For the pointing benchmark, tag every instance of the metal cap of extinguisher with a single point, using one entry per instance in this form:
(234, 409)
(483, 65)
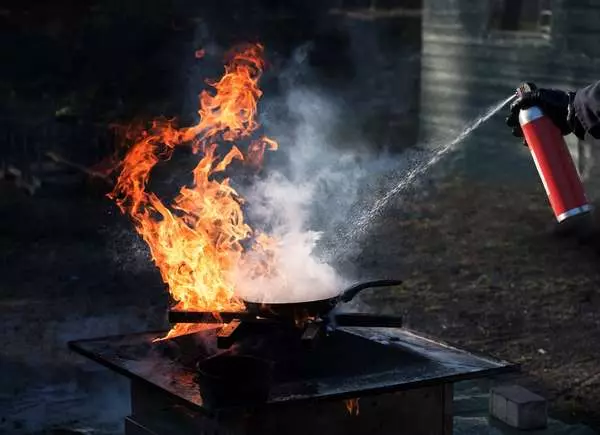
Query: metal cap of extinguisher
(554, 164)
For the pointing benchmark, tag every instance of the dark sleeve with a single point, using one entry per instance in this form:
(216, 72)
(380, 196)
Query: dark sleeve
(586, 105)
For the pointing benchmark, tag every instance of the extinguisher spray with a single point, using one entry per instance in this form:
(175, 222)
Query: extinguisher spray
(554, 163)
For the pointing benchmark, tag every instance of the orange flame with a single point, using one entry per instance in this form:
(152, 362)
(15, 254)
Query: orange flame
(352, 406)
(196, 240)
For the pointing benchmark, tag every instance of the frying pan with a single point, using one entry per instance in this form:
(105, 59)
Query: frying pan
(313, 308)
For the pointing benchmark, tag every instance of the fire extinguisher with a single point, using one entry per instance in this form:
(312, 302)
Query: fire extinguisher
(553, 161)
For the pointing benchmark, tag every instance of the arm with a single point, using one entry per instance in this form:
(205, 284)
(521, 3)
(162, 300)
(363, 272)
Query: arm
(586, 108)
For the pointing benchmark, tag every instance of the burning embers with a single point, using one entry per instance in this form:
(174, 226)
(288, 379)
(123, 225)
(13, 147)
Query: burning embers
(352, 406)
(196, 241)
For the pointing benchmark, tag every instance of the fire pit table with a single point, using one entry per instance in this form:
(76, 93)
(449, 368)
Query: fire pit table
(358, 380)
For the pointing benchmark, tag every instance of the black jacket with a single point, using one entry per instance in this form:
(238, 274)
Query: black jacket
(586, 106)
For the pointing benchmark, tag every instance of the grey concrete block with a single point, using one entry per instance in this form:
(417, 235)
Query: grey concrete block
(518, 407)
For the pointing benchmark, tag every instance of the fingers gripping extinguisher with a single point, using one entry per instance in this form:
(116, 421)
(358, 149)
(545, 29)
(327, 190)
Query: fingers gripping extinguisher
(554, 163)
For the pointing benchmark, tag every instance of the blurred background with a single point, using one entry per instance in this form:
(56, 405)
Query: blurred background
(473, 240)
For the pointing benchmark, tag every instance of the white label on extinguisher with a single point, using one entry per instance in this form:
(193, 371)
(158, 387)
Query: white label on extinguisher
(537, 165)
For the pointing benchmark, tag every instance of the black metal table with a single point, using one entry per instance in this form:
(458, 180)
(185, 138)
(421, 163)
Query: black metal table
(363, 362)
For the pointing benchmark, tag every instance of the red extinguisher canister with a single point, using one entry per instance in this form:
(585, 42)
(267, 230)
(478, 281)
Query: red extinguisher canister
(554, 163)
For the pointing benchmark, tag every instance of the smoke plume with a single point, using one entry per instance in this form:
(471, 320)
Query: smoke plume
(307, 193)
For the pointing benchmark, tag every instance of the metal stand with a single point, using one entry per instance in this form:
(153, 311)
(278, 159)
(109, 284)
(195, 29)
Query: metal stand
(402, 379)
(309, 332)
(422, 411)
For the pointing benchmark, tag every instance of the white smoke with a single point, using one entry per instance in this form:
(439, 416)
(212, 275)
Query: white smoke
(306, 195)
(284, 206)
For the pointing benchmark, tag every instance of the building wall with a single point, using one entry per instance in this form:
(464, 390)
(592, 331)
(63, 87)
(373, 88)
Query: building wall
(384, 43)
(468, 66)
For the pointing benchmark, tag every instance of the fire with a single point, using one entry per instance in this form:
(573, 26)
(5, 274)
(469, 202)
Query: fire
(352, 406)
(196, 240)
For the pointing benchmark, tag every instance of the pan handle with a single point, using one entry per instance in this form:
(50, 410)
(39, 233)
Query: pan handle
(348, 294)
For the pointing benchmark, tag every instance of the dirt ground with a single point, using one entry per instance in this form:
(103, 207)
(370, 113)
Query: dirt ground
(480, 266)
(484, 270)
